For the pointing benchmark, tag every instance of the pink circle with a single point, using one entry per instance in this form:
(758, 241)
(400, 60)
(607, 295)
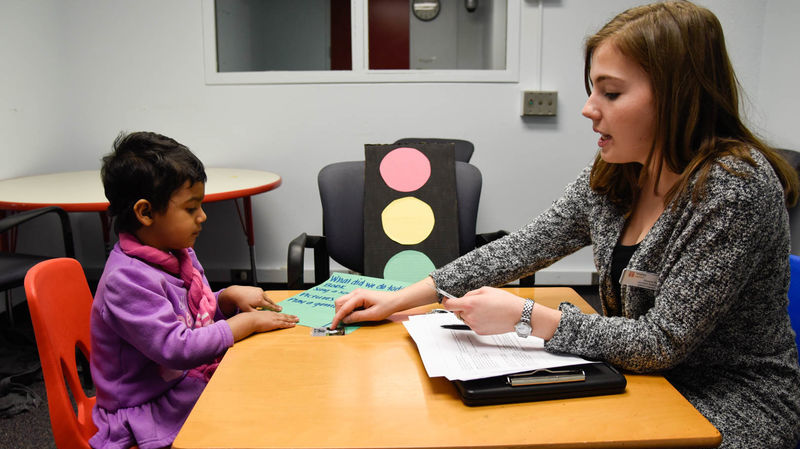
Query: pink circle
(405, 169)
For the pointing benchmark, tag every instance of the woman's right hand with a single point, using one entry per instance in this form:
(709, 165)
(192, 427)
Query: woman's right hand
(369, 305)
(364, 305)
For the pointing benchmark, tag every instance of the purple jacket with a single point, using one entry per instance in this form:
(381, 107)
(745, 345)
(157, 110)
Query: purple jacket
(142, 349)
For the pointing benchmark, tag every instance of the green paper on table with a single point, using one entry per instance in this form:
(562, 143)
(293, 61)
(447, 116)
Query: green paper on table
(315, 307)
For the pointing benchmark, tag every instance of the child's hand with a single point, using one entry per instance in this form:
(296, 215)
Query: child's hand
(266, 321)
(246, 299)
(245, 324)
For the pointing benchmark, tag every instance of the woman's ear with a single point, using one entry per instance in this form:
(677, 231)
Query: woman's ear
(144, 212)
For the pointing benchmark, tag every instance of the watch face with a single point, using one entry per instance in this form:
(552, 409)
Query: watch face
(523, 329)
(425, 9)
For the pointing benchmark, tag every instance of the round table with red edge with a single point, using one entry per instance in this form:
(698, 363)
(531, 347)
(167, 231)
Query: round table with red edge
(82, 191)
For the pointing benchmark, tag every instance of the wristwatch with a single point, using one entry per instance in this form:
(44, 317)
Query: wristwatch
(524, 328)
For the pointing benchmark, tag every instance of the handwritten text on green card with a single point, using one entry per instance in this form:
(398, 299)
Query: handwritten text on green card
(315, 307)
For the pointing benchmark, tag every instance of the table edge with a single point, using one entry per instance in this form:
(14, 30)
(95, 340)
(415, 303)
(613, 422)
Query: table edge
(233, 194)
(69, 207)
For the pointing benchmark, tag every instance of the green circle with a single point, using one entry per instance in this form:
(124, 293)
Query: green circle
(408, 266)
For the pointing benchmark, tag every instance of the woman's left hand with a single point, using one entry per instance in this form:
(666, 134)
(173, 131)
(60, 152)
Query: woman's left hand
(487, 310)
(246, 299)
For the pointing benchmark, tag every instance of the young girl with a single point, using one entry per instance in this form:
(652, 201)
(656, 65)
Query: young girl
(158, 331)
(682, 195)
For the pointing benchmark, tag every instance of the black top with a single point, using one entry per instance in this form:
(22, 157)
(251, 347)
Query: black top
(620, 258)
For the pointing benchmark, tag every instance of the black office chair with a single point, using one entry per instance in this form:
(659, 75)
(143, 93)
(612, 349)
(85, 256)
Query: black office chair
(464, 148)
(341, 189)
(13, 265)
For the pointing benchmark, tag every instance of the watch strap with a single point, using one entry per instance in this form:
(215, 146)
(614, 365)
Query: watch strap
(527, 310)
(524, 328)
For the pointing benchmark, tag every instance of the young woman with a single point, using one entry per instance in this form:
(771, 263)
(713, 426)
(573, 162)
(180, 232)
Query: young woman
(686, 212)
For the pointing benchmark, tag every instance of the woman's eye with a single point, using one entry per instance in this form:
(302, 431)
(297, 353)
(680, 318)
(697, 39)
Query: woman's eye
(191, 210)
(611, 95)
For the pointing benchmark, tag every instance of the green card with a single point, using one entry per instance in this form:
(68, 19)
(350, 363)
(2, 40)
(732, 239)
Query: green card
(315, 306)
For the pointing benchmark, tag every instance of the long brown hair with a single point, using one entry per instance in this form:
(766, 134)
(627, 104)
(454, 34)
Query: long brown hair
(682, 49)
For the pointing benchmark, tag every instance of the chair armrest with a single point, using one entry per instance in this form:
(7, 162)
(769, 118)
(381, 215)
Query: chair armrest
(482, 239)
(296, 257)
(528, 281)
(15, 220)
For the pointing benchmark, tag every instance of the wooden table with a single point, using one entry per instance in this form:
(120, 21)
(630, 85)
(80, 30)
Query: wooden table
(369, 389)
(82, 191)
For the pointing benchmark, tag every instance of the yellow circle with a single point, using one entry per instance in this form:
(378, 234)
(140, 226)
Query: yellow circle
(407, 220)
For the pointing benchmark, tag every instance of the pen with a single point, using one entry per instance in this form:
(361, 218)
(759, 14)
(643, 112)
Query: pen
(458, 327)
(444, 293)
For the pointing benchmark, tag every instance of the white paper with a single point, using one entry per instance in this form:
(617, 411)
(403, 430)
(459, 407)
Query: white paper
(465, 355)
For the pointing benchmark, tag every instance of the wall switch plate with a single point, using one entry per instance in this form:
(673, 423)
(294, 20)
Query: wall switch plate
(539, 103)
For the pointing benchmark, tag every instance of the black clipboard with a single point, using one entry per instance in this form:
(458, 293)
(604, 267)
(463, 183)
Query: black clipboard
(556, 383)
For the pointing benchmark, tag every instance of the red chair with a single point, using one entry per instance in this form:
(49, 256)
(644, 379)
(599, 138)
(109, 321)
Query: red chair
(60, 303)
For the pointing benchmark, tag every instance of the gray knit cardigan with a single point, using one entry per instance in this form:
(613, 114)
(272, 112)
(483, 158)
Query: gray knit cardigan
(716, 325)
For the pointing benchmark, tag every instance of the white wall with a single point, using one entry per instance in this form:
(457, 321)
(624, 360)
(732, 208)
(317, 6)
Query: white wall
(780, 67)
(76, 73)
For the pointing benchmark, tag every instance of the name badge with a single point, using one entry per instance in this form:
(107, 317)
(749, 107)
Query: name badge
(636, 278)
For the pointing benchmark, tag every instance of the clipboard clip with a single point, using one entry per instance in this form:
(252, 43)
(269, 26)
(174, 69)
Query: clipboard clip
(326, 331)
(545, 376)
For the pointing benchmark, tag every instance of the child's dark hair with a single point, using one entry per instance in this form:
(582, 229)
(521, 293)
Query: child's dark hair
(145, 165)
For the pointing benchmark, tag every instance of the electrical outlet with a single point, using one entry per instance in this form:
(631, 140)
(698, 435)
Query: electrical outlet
(241, 277)
(539, 103)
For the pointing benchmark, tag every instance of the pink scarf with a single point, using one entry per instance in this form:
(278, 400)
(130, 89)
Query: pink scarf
(202, 302)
